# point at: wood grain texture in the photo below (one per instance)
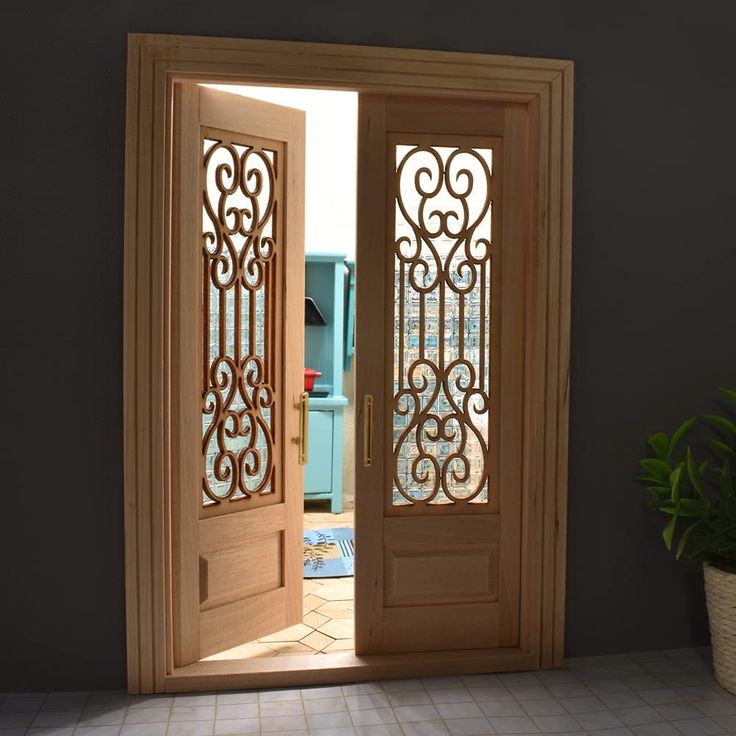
(288, 671)
(291, 357)
(236, 561)
(154, 62)
(553, 635)
(424, 576)
(441, 595)
(534, 376)
(131, 508)
(232, 573)
(370, 287)
(185, 359)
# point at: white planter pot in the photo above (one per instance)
(720, 597)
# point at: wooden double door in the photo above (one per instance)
(443, 190)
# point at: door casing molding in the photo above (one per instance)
(154, 63)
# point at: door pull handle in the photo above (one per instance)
(302, 440)
(368, 431)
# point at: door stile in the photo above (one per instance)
(536, 323)
(370, 288)
(292, 351)
(508, 356)
(186, 339)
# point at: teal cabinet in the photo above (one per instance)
(327, 280)
(318, 475)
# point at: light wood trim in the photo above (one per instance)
(131, 502)
(339, 66)
(534, 372)
(292, 357)
(510, 265)
(185, 342)
(285, 671)
(553, 633)
(368, 530)
(153, 62)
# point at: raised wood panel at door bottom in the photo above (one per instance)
(442, 579)
(425, 565)
(237, 572)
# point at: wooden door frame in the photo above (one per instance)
(155, 62)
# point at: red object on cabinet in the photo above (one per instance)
(309, 375)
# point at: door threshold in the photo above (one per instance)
(301, 670)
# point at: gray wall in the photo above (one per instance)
(653, 317)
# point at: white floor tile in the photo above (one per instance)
(469, 726)
(110, 717)
(425, 728)
(191, 728)
(237, 698)
(189, 713)
(646, 694)
(513, 724)
(237, 726)
(45, 719)
(373, 717)
(505, 708)
(144, 729)
(410, 697)
(335, 704)
(147, 715)
(409, 713)
(376, 730)
(540, 708)
(97, 730)
(556, 724)
(328, 720)
(282, 708)
(283, 723)
(698, 727)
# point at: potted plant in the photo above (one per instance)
(698, 498)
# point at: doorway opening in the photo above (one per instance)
(327, 626)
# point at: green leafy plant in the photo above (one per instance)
(697, 496)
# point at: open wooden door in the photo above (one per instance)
(442, 243)
(237, 315)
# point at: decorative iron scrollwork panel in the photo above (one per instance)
(240, 244)
(442, 318)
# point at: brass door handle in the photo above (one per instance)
(302, 440)
(368, 431)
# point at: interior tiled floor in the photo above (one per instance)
(327, 626)
(670, 693)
